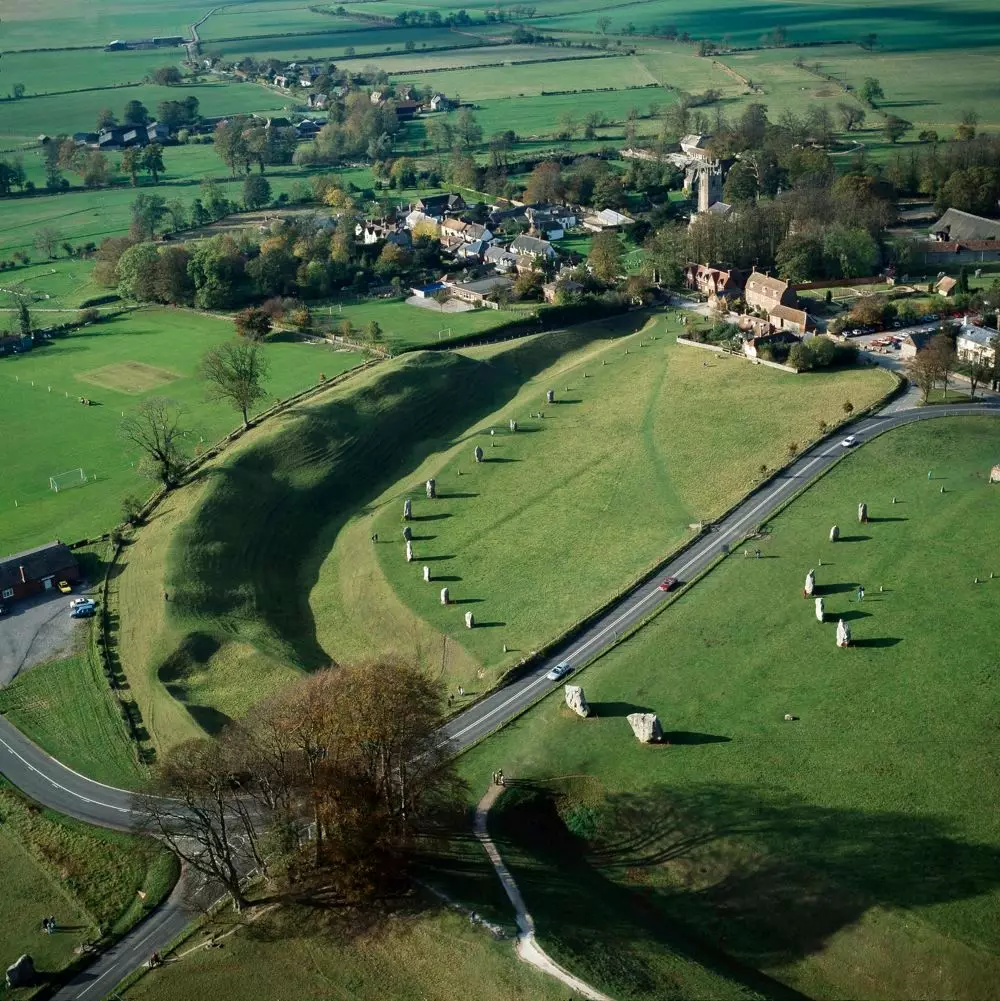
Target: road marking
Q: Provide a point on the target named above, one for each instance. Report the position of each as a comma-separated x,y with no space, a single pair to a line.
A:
51,781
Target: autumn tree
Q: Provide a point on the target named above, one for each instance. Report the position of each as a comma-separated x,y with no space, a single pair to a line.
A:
943,358
605,256
922,371
252,323
235,372
156,429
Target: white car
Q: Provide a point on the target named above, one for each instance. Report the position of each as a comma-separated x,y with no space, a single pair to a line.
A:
559,671
849,441
76,602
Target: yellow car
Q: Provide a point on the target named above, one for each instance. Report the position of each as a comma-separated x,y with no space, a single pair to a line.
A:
64,587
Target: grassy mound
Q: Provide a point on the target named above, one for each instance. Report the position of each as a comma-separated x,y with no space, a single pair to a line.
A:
849,853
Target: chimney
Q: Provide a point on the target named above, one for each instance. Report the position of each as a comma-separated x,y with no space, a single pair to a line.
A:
24,580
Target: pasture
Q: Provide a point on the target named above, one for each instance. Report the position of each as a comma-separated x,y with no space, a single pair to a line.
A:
85,877
117,363
624,457
58,284
851,852
421,955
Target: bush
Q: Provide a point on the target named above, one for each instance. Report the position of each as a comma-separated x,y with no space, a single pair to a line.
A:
89,315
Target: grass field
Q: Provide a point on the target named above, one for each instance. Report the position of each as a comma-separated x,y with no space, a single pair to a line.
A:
85,877
117,364
621,458
851,853
59,284
430,955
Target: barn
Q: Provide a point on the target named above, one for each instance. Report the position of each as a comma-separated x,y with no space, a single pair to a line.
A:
36,570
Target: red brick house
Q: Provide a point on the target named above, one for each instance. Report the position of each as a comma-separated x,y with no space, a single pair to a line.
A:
714,280
36,570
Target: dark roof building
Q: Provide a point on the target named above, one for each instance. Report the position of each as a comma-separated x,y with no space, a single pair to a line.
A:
437,205
36,570
956,225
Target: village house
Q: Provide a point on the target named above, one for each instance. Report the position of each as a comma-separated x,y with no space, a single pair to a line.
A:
417,218
976,343
317,102
377,96
550,221
441,103
956,225
563,286
606,219
438,206
915,341
406,110
715,280
789,319
945,286
696,146
472,251
763,292
481,292
36,570
753,347
531,251
500,257
455,231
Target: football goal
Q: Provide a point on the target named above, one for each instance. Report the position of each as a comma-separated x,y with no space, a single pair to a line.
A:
63,481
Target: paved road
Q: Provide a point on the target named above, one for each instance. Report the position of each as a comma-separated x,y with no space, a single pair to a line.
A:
52,784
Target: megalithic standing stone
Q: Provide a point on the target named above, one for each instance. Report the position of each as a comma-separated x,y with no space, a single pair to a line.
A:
863,513
478,454
550,396
470,620
834,533
810,585
843,633
427,575
513,424
409,552
444,596
431,487
820,612
407,510
407,533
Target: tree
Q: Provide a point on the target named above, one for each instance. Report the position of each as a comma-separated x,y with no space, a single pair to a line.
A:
156,429
922,371
235,372
979,372
545,183
528,285
46,240
96,170
966,130
167,76
252,323
131,163
152,161
848,408
943,358
17,91
373,332
147,213
106,119
894,128
256,191
871,90
232,146
135,114
605,256
22,321
137,272
468,130
851,116
603,23
850,252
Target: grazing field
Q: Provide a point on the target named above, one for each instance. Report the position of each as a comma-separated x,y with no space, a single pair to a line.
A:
58,284
80,70
623,457
430,955
270,19
851,852
86,878
116,363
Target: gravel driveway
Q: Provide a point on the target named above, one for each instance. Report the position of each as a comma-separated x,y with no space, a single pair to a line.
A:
37,630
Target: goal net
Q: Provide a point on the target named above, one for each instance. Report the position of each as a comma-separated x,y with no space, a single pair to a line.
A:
63,481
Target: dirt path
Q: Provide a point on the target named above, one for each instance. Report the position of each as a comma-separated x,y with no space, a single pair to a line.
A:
528,948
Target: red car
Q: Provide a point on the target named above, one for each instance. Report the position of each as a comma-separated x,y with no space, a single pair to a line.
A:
668,583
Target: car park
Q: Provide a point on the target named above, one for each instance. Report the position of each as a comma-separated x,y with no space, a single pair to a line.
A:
560,670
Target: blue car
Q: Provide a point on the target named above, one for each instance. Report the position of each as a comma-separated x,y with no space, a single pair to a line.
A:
82,611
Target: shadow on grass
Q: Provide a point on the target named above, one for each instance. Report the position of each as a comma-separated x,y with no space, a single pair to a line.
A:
456,495
688,737
877,642
729,877
431,517
855,538
500,458
824,589
491,625
618,708
433,559
851,616
878,521
446,578
467,601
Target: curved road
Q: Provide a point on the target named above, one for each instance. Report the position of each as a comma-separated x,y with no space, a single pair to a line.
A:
54,785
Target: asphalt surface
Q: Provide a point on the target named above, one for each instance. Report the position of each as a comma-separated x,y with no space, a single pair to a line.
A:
54,785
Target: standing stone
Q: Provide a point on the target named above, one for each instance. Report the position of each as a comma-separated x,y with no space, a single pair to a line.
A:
863,514
513,424
843,633
21,973
444,596
995,474
470,620
431,487
810,585
478,454
407,510
550,396
834,533
576,700
820,612
646,727
409,552
407,533
427,575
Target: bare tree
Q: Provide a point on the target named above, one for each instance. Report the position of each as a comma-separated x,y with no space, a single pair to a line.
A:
942,349
46,240
156,429
922,371
235,372
979,372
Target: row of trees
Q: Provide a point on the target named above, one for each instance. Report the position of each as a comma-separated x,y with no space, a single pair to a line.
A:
328,789
935,363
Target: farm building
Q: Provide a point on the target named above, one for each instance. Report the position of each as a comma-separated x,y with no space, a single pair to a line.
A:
36,570
606,219
956,225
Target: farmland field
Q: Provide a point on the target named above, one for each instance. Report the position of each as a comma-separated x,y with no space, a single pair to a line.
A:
58,284
794,845
55,433
614,459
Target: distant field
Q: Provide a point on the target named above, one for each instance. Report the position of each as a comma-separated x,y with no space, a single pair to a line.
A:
78,70
58,284
791,846
24,120
270,18
55,433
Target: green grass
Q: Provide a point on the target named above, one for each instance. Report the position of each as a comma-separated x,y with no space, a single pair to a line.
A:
425,955
619,462
55,433
79,70
405,326
85,877
793,847
62,283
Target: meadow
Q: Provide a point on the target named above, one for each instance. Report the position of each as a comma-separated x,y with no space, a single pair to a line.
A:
54,433
87,878
59,284
623,457
421,955
849,853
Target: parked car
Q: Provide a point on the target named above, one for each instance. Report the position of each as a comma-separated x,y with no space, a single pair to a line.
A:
65,587
77,602
668,583
559,671
83,611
